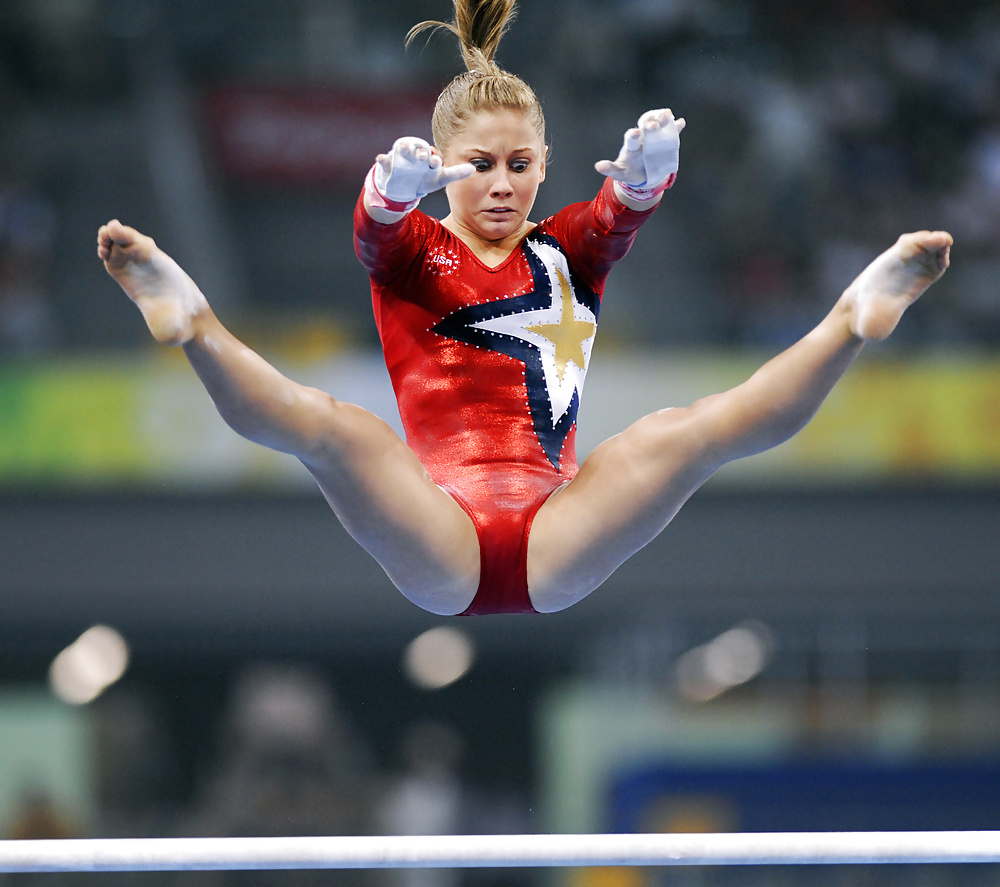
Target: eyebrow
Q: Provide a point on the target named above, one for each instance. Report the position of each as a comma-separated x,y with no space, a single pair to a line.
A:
525,150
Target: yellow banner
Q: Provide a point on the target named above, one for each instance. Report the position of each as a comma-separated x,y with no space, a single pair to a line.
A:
933,417
146,421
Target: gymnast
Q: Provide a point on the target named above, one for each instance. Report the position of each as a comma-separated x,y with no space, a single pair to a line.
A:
487,321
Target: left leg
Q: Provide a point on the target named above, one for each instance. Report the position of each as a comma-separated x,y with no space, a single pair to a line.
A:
632,485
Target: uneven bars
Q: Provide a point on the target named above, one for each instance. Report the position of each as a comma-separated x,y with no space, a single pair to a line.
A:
499,851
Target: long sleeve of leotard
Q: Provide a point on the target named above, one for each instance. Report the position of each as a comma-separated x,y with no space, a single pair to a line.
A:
385,249
598,234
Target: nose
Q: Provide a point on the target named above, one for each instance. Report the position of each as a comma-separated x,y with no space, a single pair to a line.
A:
501,186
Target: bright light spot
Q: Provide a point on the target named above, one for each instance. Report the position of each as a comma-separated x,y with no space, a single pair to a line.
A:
88,666
733,658
438,657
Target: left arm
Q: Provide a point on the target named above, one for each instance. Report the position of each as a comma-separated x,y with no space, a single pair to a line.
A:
599,234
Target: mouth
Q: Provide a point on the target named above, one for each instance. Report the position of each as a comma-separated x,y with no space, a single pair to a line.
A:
499,211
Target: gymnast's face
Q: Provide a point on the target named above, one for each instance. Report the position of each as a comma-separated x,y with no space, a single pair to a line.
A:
493,203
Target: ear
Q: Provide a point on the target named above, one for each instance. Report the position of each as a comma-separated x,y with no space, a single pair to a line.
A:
541,175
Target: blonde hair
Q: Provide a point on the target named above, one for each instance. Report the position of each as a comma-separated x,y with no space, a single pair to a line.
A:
485,86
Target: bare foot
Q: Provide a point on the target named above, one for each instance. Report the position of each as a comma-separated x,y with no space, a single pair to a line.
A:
894,281
168,299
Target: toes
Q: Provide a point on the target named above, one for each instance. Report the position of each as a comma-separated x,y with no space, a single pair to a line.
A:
941,242
120,244
939,249
930,249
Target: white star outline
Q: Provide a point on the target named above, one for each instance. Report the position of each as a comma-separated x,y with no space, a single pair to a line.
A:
560,391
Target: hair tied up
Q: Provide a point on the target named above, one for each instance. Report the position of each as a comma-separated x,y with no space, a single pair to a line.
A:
485,86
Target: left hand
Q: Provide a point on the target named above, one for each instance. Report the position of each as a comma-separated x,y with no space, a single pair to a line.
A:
647,163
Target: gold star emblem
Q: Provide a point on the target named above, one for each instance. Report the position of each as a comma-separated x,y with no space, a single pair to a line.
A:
569,334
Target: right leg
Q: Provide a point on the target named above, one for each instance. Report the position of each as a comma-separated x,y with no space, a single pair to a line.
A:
375,484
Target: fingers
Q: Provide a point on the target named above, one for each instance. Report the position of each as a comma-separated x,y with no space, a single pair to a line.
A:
628,166
656,119
606,167
407,152
653,120
660,125
455,173
660,146
413,149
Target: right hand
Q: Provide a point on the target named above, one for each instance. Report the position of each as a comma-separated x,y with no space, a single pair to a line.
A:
413,169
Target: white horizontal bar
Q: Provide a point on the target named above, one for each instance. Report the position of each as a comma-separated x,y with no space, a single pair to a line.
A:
488,851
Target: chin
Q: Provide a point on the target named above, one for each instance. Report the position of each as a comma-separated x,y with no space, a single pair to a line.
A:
501,228
495,236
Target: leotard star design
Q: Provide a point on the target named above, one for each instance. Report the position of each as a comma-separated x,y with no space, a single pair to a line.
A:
550,329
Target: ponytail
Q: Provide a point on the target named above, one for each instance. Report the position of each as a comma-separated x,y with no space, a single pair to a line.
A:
479,26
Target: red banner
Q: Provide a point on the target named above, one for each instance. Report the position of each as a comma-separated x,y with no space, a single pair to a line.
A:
309,137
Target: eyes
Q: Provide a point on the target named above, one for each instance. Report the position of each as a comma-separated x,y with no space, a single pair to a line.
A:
484,164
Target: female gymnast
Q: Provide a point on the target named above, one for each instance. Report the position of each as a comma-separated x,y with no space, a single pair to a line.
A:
487,322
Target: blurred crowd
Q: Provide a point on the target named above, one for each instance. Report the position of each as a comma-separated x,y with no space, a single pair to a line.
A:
817,134
285,759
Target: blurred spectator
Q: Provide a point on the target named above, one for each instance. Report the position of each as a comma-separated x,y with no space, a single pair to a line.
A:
426,798
38,817
136,766
429,797
973,212
289,764
27,317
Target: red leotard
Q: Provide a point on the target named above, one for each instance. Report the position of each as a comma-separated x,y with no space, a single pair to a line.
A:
488,363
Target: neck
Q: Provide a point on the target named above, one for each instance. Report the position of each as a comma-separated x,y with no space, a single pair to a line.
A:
490,252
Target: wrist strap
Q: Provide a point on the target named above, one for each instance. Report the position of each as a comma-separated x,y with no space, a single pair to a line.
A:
377,198
637,193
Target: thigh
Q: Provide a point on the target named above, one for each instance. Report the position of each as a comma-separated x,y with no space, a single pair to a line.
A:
386,500
624,495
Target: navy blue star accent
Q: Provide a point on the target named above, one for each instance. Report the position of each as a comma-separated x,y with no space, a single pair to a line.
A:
460,325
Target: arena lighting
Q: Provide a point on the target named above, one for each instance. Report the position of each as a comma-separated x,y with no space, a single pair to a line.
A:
88,666
731,659
438,657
